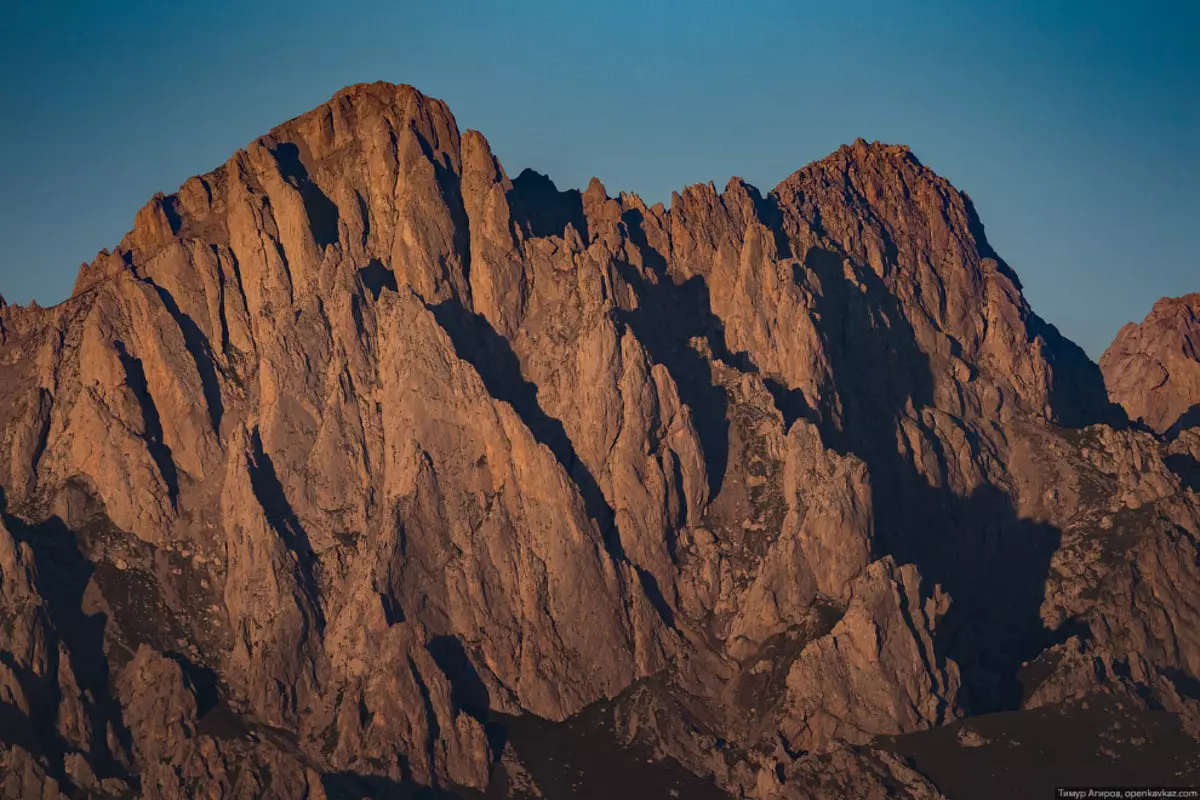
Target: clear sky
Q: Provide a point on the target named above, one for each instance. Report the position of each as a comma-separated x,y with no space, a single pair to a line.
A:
1074,126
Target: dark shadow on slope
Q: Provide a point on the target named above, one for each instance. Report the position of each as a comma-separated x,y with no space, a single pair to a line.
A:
201,681
321,211
467,691
1188,419
271,496
16,729
63,574
542,210
876,361
668,317
135,379
1187,685
278,511
771,215
170,207
655,596
450,186
790,402
1186,467
435,732
1077,392
214,717
376,277
198,347
993,564
477,343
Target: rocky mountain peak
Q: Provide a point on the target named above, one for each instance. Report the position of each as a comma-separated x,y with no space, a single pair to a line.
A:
357,439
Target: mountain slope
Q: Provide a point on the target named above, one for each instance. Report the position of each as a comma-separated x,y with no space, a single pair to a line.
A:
355,445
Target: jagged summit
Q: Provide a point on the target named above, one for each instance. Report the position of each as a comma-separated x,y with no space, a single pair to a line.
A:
354,445
346,126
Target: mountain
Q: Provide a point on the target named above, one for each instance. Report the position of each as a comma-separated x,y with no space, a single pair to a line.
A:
359,468
1153,368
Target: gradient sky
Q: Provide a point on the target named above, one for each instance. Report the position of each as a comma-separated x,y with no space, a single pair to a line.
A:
1074,126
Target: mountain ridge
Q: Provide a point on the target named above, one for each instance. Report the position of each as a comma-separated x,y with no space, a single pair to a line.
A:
151,217
357,439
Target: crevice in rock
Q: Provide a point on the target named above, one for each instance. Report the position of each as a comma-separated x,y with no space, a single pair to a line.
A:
468,694
42,419
450,187
201,352
375,277
222,317
655,596
321,211
790,403
364,213
135,379
278,510
393,612
271,496
467,691
201,681
667,318
477,343
430,718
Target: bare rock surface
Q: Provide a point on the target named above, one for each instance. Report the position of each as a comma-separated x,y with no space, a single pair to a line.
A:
1152,368
360,468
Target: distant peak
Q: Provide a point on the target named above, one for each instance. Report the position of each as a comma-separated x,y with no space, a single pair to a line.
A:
595,191
861,145
377,89
1163,304
735,182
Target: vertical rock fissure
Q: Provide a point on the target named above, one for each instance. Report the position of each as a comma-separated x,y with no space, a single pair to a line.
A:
135,377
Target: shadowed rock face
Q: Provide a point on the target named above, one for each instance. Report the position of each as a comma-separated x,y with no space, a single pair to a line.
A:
354,449
1152,368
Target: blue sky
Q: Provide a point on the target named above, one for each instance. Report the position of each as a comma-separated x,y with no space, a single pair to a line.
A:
1074,126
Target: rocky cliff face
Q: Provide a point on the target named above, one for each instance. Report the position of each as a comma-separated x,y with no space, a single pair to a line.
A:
356,447
1153,368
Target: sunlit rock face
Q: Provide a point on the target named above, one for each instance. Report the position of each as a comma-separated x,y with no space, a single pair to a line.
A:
1152,368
